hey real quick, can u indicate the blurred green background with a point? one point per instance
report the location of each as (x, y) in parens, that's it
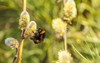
(83, 33)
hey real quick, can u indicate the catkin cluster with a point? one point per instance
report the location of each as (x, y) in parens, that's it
(29, 29)
(69, 12)
(24, 24)
(60, 26)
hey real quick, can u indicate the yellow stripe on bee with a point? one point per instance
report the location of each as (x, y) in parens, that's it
(42, 32)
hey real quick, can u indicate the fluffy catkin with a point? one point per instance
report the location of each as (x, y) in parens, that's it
(70, 10)
(11, 42)
(64, 57)
(24, 20)
(30, 29)
(59, 26)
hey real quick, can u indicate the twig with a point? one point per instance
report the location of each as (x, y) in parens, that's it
(65, 32)
(15, 57)
(24, 4)
(65, 37)
(20, 48)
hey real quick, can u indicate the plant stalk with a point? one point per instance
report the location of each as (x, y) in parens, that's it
(65, 37)
(20, 51)
(14, 59)
(24, 4)
(20, 47)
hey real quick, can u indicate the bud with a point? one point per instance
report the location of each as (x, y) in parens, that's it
(70, 11)
(30, 29)
(64, 57)
(59, 26)
(24, 20)
(11, 42)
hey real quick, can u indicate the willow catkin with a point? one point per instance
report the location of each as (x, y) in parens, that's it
(11, 42)
(30, 29)
(24, 20)
(59, 26)
(64, 57)
(70, 10)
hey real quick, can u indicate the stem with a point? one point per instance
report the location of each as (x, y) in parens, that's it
(20, 47)
(65, 37)
(20, 51)
(15, 56)
(65, 31)
(24, 4)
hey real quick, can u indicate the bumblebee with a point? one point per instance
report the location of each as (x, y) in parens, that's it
(39, 36)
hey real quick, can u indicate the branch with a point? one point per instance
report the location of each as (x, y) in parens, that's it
(24, 4)
(65, 37)
(20, 49)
